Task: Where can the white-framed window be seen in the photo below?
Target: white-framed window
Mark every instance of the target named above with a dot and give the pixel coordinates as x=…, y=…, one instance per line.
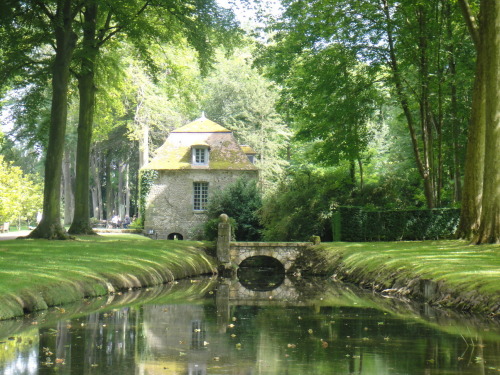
x=200, y=155
x=200, y=196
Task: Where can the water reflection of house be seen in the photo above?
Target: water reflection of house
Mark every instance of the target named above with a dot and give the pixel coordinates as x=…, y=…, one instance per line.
x=176, y=340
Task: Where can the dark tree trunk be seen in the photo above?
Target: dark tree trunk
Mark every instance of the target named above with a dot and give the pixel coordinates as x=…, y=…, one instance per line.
x=489, y=229
x=472, y=193
x=50, y=226
x=86, y=89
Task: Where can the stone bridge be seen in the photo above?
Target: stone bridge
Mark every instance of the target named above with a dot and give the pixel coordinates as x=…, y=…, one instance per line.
x=285, y=252
x=232, y=254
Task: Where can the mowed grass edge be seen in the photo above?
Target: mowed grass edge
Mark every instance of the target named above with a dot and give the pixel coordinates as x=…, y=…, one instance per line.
x=37, y=274
x=444, y=273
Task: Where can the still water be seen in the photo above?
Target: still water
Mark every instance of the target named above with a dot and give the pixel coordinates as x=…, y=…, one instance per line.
x=284, y=326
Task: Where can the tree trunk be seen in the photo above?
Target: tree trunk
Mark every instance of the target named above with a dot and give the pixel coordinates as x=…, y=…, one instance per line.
x=109, y=188
x=361, y=174
x=98, y=208
x=489, y=229
x=121, y=190
x=86, y=89
x=425, y=121
x=127, y=190
x=472, y=193
x=403, y=100
x=69, y=202
x=50, y=226
x=144, y=146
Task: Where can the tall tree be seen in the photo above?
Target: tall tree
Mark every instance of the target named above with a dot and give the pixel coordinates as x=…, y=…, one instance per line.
x=403, y=45
x=489, y=229
x=472, y=198
x=480, y=216
x=36, y=25
x=200, y=23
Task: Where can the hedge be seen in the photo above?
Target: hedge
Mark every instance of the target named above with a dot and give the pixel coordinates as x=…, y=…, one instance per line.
x=355, y=224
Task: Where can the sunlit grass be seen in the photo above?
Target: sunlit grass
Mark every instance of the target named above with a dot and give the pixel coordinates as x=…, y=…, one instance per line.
x=462, y=268
x=41, y=272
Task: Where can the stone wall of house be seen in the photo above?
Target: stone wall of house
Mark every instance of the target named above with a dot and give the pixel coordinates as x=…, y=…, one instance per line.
x=169, y=207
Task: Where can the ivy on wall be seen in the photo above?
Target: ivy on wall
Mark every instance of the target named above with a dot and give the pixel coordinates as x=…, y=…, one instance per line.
x=146, y=179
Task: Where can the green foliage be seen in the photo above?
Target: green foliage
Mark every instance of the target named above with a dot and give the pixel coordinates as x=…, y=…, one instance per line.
x=357, y=224
x=302, y=204
x=146, y=179
x=241, y=201
x=238, y=97
x=20, y=195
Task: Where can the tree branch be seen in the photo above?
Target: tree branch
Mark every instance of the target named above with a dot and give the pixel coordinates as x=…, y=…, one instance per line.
x=470, y=21
x=103, y=39
x=45, y=10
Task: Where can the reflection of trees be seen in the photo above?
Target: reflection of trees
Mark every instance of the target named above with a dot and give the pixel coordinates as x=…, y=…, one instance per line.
x=105, y=340
x=274, y=339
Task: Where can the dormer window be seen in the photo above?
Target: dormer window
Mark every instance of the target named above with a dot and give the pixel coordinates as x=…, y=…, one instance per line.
x=200, y=155
x=249, y=152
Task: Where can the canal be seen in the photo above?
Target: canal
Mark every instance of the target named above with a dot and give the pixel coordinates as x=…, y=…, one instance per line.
x=282, y=326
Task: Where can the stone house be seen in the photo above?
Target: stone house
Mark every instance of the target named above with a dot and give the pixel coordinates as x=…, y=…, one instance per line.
x=196, y=160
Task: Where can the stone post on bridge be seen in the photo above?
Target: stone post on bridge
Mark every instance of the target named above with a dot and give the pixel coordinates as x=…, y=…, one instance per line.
x=223, y=240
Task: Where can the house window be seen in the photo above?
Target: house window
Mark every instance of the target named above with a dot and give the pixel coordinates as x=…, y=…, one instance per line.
x=200, y=155
x=200, y=196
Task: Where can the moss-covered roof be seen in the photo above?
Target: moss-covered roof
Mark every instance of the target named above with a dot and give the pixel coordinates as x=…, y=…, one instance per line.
x=225, y=152
x=202, y=125
x=248, y=150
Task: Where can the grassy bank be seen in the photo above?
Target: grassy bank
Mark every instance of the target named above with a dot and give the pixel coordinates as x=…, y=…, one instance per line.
x=444, y=273
x=36, y=274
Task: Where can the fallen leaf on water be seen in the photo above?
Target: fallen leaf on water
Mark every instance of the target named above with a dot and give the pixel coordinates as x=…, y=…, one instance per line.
x=292, y=346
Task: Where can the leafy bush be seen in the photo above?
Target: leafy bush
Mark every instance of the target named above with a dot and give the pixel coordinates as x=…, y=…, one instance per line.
x=241, y=201
x=146, y=179
x=302, y=205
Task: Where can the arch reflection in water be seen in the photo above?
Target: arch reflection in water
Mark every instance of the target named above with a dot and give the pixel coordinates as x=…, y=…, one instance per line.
x=261, y=273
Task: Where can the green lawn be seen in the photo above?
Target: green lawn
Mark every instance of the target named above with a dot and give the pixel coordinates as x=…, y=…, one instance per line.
x=459, y=267
x=35, y=274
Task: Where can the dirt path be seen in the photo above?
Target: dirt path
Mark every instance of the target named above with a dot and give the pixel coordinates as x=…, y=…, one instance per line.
x=14, y=235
